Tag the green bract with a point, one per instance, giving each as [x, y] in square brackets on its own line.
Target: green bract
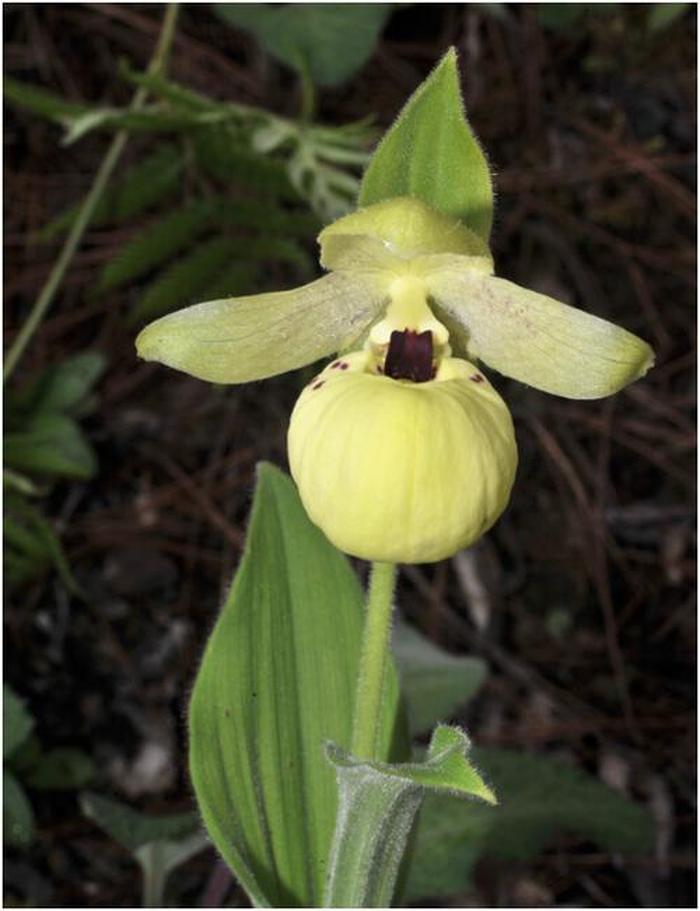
[401, 449]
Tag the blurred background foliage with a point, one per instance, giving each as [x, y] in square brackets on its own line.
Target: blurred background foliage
[564, 641]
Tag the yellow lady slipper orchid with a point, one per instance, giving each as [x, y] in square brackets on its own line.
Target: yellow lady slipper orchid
[401, 449]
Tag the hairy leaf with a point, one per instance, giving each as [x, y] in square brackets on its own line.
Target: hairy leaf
[431, 152]
[378, 805]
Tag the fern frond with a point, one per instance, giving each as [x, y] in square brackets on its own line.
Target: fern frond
[144, 185]
[225, 155]
[275, 249]
[268, 217]
[149, 183]
[185, 280]
[157, 243]
[233, 281]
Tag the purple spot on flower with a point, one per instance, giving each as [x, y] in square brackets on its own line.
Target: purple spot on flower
[318, 385]
[477, 378]
[335, 365]
[344, 366]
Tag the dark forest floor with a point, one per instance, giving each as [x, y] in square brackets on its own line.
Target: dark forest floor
[584, 591]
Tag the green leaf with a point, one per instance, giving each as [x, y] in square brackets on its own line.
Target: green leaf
[434, 683]
[17, 814]
[40, 101]
[179, 96]
[276, 682]
[16, 483]
[31, 545]
[662, 15]
[378, 804]
[567, 17]
[131, 829]
[51, 444]
[158, 859]
[17, 723]
[431, 152]
[62, 768]
[184, 280]
[539, 799]
[155, 244]
[330, 41]
[157, 843]
[65, 386]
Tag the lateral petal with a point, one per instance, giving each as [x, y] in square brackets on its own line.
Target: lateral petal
[237, 340]
[536, 339]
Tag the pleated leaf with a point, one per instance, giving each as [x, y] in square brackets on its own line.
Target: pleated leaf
[277, 682]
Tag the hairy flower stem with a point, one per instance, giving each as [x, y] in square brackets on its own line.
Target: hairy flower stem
[109, 163]
[373, 661]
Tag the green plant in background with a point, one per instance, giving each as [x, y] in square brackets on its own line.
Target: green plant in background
[158, 844]
[402, 452]
[308, 785]
[227, 191]
[43, 443]
[28, 766]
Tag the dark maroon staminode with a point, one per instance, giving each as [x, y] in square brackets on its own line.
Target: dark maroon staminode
[410, 356]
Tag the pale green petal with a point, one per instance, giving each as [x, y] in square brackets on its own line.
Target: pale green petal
[536, 339]
[248, 338]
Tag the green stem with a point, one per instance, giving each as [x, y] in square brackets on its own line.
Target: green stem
[155, 875]
[308, 93]
[75, 236]
[373, 661]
